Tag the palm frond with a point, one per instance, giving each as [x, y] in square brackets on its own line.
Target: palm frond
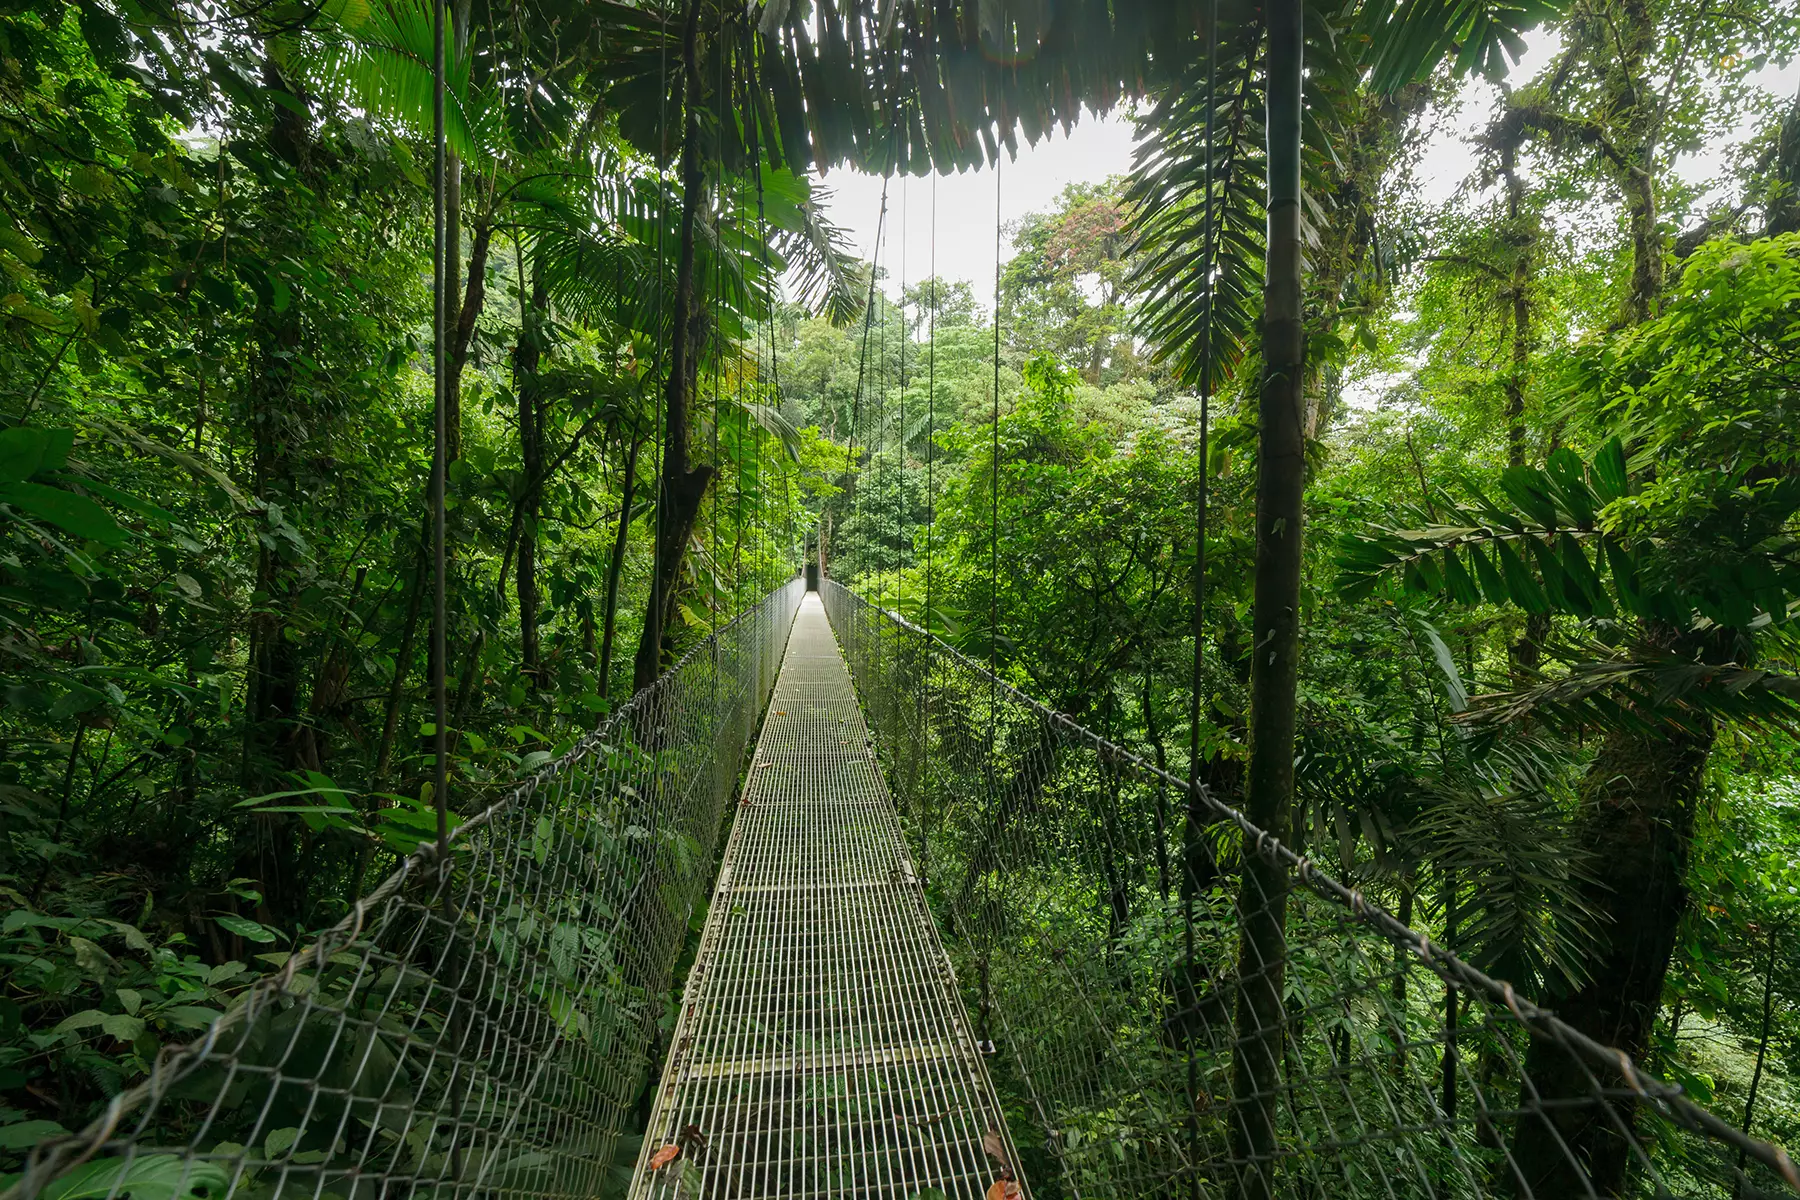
[827, 276]
[1200, 303]
[380, 55]
[1520, 878]
[1409, 37]
[1545, 550]
[1646, 691]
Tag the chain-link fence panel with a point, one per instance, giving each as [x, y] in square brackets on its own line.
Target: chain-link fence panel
[479, 1025]
[1187, 1007]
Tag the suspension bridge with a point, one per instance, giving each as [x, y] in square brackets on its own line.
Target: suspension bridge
[946, 951]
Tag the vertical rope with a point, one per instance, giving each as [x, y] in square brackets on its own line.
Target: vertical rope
[862, 362]
[1191, 835]
[993, 584]
[440, 282]
[905, 337]
[930, 536]
[653, 610]
[717, 346]
[772, 394]
[743, 433]
[994, 489]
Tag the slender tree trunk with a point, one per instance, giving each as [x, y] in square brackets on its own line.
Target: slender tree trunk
[1274, 668]
[329, 683]
[452, 287]
[1647, 270]
[616, 567]
[390, 723]
[1639, 110]
[467, 312]
[1762, 1058]
[1637, 817]
[1524, 242]
[526, 359]
[1452, 1059]
[683, 486]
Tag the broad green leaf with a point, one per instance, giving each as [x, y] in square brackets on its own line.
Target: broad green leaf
[1456, 577]
[26, 1134]
[22, 450]
[1610, 480]
[122, 1026]
[1521, 588]
[1555, 582]
[76, 514]
[1530, 490]
[86, 1019]
[246, 928]
[1491, 583]
[146, 1177]
[1580, 575]
[1453, 682]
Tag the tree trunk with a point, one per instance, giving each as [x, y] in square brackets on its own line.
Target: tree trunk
[526, 358]
[1274, 669]
[409, 630]
[452, 305]
[1762, 1058]
[616, 566]
[462, 328]
[683, 486]
[1637, 819]
[1521, 299]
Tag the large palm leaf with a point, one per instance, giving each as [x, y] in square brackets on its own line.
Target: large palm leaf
[379, 54]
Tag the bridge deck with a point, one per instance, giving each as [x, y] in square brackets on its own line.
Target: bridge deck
[822, 1048]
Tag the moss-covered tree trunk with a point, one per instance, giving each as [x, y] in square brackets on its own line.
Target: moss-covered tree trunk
[1637, 818]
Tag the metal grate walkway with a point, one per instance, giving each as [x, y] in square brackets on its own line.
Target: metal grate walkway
[822, 1049]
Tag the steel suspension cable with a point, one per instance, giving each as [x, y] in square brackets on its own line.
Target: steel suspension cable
[905, 336]
[993, 739]
[1191, 836]
[862, 364]
[440, 281]
[653, 607]
[930, 519]
[774, 391]
[718, 357]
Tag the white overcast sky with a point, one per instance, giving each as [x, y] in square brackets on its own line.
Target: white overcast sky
[1101, 146]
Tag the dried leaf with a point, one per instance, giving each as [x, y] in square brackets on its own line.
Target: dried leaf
[995, 1145]
[1004, 1189]
[664, 1157]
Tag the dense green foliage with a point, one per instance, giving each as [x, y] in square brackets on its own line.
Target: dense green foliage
[1553, 495]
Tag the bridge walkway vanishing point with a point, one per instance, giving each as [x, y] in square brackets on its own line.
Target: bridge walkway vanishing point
[822, 1048]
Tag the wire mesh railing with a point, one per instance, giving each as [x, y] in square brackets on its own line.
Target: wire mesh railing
[1303, 1043]
[479, 1026]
